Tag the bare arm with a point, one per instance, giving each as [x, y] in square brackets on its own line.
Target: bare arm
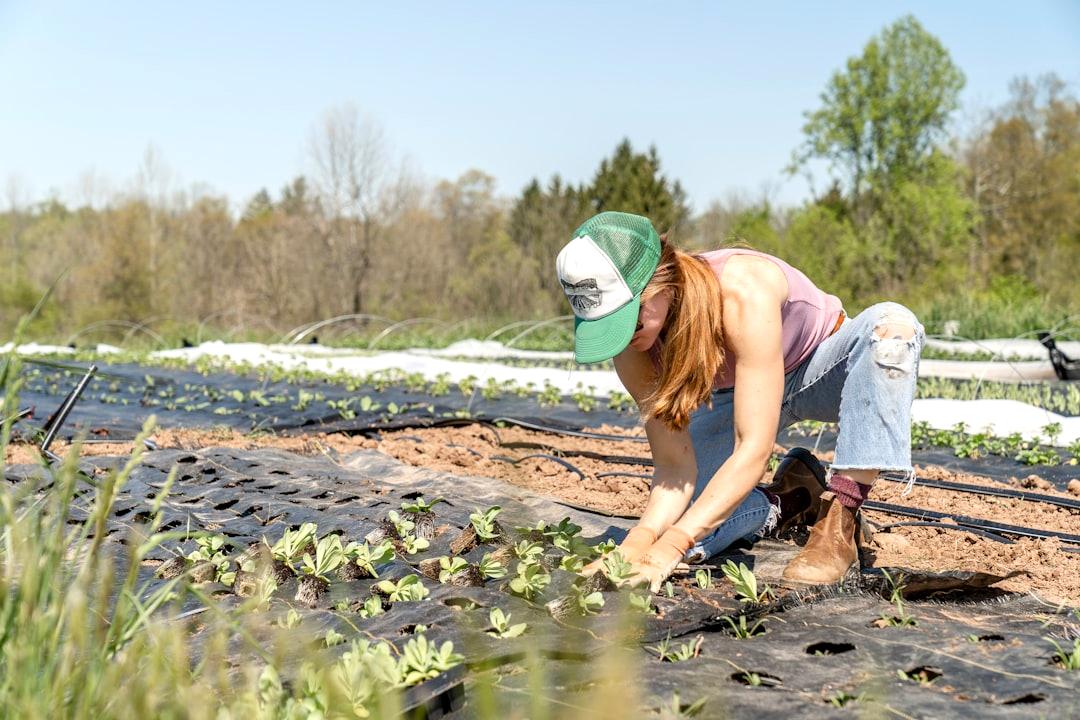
[753, 293]
[675, 470]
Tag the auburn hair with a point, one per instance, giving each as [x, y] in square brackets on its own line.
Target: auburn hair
[692, 341]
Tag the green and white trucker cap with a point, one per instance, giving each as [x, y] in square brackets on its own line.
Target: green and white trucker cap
[603, 270]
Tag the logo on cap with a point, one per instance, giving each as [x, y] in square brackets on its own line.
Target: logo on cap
[584, 295]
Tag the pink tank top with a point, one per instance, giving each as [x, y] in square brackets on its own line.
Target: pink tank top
[808, 316]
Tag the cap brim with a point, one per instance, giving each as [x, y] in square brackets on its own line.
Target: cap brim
[604, 338]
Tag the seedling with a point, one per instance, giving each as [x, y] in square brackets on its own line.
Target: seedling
[841, 698]
[293, 543]
[367, 557]
[745, 583]
[413, 544]
[421, 660]
[704, 578]
[402, 525]
[484, 523]
[451, 566]
[896, 597]
[564, 535]
[604, 548]
[419, 505]
[667, 652]
[616, 568]
[530, 581]
[669, 589]
[1064, 657]
[501, 627]
[329, 555]
[491, 568]
[209, 550]
[528, 551]
[587, 603]
[550, 396]
[371, 607]
[642, 602]
[741, 629]
[572, 563]
[407, 589]
[677, 710]
[333, 638]
[290, 619]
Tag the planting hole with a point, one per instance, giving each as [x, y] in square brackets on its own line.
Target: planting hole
[994, 637]
[186, 460]
[460, 603]
[227, 504]
[756, 679]
[924, 674]
[1028, 699]
[828, 648]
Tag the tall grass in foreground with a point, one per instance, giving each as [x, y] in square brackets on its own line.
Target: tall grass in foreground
[81, 637]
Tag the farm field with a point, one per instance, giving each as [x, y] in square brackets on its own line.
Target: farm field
[312, 543]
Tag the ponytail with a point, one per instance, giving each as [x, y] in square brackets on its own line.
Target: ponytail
[693, 349]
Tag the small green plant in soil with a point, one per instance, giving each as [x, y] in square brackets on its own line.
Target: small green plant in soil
[1065, 658]
[413, 544]
[572, 563]
[617, 569]
[586, 603]
[896, 597]
[422, 660]
[293, 543]
[741, 629]
[329, 555]
[676, 709]
[407, 589]
[450, 566]
[667, 651]
[290, 619]
[372, 606]
[550, 396]
[641, 601]
[563, 535]
[530, 581]
[745, 583]
[490, 567]
[528, 551]
[367, 557]
[419, 505]
[402, 525]
[484, 523]
[333, 638]
[841, 698]
[209, 550]
[703, 577]
[501, 627]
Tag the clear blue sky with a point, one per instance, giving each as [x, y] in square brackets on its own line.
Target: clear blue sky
[227, 91]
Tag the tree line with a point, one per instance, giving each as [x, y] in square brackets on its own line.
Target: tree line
[981, 226]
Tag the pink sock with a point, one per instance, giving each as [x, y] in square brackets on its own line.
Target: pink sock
[849, 493]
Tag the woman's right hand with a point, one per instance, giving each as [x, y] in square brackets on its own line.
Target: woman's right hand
[633, 547]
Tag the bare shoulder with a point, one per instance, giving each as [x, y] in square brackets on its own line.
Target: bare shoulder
[750, 279]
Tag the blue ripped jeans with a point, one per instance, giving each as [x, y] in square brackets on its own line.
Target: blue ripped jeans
[854, 377]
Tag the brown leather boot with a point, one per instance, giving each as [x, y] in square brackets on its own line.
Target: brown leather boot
[798, 482]
[831, 549]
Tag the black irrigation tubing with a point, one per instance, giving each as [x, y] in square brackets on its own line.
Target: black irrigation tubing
[545, 456]
[624, 474]
[571, 433]
[949, 526]
[989, 525]
[988, 490]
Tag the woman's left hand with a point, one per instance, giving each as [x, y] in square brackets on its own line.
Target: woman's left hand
[648, 572]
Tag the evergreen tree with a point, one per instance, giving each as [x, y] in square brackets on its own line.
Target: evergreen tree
[632, 182]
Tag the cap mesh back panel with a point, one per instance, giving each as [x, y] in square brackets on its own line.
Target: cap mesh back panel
[631, 243]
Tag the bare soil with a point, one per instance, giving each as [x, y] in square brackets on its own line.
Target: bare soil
[505, 453]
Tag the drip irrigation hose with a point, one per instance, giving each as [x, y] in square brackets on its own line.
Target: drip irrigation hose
[54, 423]
[989, 525]
[995, 491]
[948, 526]
[545, 456]
[567, 432]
